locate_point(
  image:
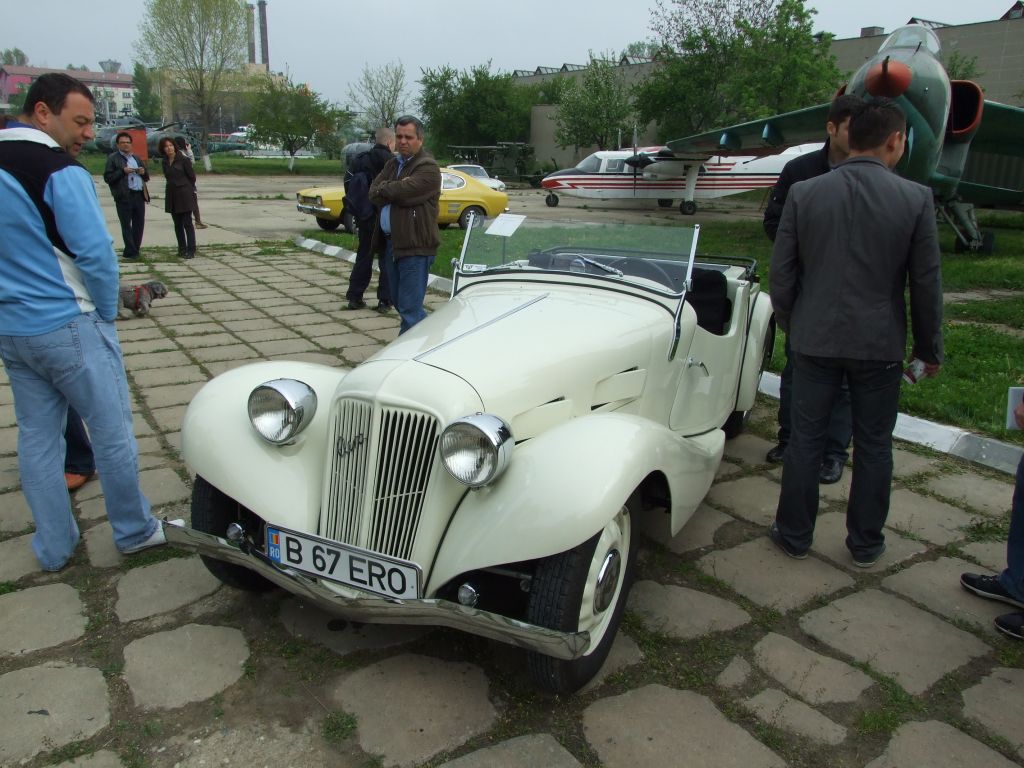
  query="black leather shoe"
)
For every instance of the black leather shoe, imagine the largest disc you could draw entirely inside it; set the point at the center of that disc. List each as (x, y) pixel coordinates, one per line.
(1011, 625)
(356, 304)
(777, 454)
(383, 308)
(831, 471)
(776, 536)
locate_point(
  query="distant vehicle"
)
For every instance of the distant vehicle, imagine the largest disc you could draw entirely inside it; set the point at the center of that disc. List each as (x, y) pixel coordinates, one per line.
(656, 173)
(479, 173)
(461, 196)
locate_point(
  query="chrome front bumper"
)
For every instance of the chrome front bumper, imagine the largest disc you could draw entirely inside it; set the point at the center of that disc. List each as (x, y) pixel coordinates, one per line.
(372, 609)
(315, 210)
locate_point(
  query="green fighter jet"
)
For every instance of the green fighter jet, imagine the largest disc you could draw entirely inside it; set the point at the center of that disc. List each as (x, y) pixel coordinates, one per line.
(948, 124)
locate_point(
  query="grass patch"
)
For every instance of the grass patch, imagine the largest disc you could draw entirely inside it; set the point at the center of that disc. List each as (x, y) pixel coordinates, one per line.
(1008, 312)
(897, 707)
(152, 556)
(6, 587)
(338, 726)
(988, 529)
(970, 390)
(235, 165)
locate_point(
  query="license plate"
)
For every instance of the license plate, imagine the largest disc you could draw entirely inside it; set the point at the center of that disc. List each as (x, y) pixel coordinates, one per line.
(344, 564)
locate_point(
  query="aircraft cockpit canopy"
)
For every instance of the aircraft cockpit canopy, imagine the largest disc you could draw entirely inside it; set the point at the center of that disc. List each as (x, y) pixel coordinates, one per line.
(913, 36)
(589, 164)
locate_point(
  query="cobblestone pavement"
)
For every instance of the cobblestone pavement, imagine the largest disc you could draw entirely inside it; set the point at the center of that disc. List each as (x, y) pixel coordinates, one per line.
(731, 653)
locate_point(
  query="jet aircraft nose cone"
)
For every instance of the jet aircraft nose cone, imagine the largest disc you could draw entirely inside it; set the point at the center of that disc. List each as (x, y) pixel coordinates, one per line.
(888, 78)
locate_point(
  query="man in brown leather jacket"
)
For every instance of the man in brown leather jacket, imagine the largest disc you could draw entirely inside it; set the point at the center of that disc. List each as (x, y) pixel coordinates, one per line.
(406, 192)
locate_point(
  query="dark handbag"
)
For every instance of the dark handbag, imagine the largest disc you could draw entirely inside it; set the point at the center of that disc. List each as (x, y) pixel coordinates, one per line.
(145, 192)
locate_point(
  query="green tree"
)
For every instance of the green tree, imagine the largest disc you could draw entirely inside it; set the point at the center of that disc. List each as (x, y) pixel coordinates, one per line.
(642, 49)
(14, 56)
(80, 68)
(734, 61)
(960, 67)
(16, 101)
(379, 96)
(596, 109)
(147, 100)
(473, 107)
(292, 116)
(199, 43)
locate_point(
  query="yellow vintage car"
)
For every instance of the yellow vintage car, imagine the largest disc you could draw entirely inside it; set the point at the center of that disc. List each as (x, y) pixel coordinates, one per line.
(461, 195)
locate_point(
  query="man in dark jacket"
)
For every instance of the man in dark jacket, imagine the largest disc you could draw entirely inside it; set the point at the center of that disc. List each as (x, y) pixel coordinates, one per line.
(801, 168)
(125, 174)
(849, 243)
(369, 166)
(406, 192)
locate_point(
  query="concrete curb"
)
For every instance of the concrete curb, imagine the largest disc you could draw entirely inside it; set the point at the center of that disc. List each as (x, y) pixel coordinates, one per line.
(939, 437)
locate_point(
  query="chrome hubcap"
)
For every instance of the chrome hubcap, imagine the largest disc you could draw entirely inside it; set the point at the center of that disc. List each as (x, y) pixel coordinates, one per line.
(607, 579)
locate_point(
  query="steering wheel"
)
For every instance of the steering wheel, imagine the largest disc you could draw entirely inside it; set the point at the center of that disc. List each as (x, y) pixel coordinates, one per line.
(646, 269)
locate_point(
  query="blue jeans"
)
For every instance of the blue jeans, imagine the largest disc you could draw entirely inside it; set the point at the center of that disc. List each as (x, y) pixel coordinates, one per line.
(79, 364)
(407, 281)
(1012, 578)
(874, 393)
(79, 459)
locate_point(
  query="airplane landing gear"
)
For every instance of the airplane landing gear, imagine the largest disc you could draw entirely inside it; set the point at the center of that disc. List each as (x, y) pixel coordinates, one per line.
(551, 200)
(687, 207)
(969, 238)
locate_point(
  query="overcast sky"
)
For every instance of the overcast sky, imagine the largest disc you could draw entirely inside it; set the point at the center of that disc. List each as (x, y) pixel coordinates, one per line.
(326, 43)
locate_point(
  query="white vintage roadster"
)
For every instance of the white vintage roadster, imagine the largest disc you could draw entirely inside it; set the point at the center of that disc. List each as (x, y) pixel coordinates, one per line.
(490, 469)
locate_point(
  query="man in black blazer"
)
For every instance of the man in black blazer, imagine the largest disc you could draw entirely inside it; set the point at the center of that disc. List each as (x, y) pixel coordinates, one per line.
(126, 173)
(801, 168)
(848, 244)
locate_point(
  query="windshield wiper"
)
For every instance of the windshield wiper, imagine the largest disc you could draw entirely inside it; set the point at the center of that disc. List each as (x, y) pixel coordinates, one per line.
(596, 263)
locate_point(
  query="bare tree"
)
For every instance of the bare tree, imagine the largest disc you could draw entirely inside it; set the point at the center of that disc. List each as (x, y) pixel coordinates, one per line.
(379, 95)
(198, 43)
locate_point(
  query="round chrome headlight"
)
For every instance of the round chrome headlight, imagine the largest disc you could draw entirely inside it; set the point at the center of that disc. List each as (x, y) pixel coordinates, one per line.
(281, 409)
(476, 449)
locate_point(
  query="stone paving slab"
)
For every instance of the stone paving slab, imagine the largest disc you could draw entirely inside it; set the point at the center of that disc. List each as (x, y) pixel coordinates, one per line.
(258, 745)
(15, 515)
(412, 707)
(668, 727)
(534, 751)
(930, 519)
(983, 494)
(40, 617)
(191, 663)
(893, 637)
(753, 498)
(997, 704)
(699, 531)
(624, 653)
(681, 612)
(830, 542)
(17, 558)
(48, 706)
(936, 586)
(158, 377)
(763, 574)
(749, 449)
(100, 547)
(341, 636)
(735, 674)
(815, 678)
(102, 759)
(936, 745)
(989, 554)
(773, 707)
(163, 486)
(163, 587)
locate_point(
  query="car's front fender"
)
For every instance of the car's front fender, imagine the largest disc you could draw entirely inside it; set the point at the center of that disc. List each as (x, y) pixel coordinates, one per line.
(563, 486)
(220, 444)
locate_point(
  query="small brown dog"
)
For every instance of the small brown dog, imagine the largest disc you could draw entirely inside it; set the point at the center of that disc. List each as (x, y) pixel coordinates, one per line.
(135, 299)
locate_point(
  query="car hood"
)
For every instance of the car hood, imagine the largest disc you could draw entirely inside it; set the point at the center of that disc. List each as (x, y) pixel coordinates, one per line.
(325, 192)
(541, 354)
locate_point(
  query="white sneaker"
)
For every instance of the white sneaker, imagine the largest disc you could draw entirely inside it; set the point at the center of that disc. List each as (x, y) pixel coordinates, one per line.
(155, 540)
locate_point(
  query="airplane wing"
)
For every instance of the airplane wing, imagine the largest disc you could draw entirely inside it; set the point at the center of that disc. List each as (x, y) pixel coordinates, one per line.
(765, 136)
(1001, 129)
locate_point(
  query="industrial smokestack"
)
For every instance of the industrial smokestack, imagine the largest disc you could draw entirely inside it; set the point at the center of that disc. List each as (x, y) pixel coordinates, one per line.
(252, 33)
(264, 43)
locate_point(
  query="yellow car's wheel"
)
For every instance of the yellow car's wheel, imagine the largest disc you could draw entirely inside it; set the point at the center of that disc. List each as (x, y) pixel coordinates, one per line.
(328, 225)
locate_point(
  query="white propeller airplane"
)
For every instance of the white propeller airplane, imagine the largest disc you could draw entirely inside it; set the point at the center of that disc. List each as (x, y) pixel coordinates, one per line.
(656, 173)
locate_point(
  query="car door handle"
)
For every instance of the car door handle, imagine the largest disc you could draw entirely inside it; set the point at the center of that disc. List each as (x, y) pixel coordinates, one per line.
(692, 362)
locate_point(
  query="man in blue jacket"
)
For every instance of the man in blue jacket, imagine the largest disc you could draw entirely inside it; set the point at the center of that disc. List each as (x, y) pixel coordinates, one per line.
(58, 303)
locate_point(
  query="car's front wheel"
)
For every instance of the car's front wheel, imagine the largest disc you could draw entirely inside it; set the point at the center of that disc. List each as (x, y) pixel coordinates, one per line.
(213, 512)
(584, 589)
(328, 225)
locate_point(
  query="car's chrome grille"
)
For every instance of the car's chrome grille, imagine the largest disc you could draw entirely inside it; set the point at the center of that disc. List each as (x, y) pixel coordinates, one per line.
(380, 472)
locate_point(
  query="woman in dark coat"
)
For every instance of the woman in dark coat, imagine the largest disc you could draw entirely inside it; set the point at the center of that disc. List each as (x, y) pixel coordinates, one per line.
(180, 195)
